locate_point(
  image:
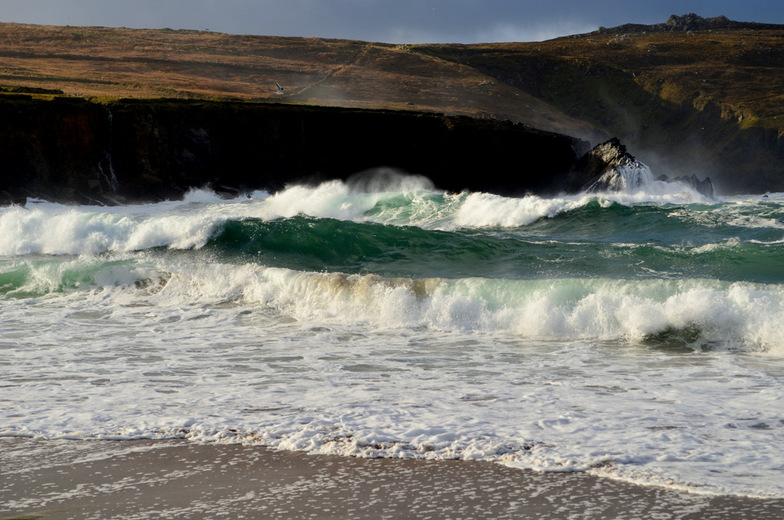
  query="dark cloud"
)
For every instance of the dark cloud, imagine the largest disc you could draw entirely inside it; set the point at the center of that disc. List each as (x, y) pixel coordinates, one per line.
(395, 21)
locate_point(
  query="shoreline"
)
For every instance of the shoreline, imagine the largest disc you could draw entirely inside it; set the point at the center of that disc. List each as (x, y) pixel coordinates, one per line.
(59, 479)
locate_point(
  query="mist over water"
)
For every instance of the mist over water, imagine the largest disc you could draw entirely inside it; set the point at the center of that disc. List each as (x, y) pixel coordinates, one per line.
(637, 335)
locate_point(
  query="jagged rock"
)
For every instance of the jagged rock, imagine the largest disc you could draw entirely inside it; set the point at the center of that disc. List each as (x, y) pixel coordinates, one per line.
(704, 186)
(693, 22)
(610, 167)
(607, 167)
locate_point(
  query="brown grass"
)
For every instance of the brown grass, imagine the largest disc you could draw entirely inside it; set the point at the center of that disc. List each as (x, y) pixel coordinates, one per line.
(741, 70)
(551, 85)
(99, 62)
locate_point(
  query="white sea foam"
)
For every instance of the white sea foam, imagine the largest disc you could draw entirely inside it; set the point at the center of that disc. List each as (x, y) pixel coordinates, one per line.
(47, 228)
(720, 314)
(468, 210)
(732, 316)
(60, 230)
(663, 381)
(487, 210)
(553, 375)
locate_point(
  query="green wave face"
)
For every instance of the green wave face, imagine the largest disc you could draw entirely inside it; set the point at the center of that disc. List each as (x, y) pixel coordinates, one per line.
(618, 241)
(58, 275)
(13, 278)
(305, 243)
(592, 321)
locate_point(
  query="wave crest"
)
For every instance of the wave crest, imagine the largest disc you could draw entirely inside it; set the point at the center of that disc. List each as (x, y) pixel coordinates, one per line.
(694, 314)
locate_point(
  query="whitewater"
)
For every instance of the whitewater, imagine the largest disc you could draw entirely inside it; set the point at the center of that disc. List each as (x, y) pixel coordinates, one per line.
(636, 335)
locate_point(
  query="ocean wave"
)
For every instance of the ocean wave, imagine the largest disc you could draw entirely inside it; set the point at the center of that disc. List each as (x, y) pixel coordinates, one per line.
(689, 313)
(421, 232)
(55, 229)
(62, 230)
(635, 338)
(719, 315)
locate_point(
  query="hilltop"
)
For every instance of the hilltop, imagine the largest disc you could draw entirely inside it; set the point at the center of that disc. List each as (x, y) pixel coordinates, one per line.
(692, 95)
(688, 96)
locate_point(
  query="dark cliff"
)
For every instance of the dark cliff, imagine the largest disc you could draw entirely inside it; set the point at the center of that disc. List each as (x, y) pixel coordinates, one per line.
(691, 96)
(73, 150)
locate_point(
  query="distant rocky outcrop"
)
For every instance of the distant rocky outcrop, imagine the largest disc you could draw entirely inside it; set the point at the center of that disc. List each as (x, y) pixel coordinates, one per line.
(610, 167)
(607, 167)
(704, 186)
(693, 22)
(688, 22)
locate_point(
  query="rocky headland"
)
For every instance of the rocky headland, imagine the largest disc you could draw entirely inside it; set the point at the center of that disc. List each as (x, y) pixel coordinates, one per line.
(74, 150)
(92, 114)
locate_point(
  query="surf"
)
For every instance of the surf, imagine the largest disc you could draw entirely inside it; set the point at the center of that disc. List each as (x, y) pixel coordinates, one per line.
(723, 315)
(635, 334)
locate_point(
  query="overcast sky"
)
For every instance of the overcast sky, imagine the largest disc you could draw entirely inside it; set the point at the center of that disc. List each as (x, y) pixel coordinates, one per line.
(394, 21)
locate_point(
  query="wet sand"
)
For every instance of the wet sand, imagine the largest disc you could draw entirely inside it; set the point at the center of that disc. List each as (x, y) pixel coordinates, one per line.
(176, 479)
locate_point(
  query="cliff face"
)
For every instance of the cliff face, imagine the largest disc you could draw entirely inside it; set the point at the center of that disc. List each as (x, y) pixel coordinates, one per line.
(692, 96)
(73, 150)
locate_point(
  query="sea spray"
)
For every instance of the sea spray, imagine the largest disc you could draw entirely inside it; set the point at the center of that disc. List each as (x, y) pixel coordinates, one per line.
(634, 335)
(716, 315)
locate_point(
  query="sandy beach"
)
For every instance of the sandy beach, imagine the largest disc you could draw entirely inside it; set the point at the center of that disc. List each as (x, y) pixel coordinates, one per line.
(176, 479)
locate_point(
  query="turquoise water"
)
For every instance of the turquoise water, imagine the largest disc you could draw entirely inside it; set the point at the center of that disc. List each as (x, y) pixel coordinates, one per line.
(718, 241)
(634, 335)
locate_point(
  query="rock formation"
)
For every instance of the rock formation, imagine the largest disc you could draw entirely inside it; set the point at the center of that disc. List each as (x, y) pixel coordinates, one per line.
(610, 167)
(704, 186)
(693, 22)
(607, 167)
(74, 150)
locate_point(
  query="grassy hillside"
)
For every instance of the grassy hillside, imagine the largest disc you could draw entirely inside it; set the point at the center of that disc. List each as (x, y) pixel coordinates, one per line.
(104, 62)
(703, 98)
(701, 101)
(739, 70)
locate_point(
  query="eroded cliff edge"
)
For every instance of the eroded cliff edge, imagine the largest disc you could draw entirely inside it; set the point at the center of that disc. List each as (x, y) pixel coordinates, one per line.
(69, 149)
